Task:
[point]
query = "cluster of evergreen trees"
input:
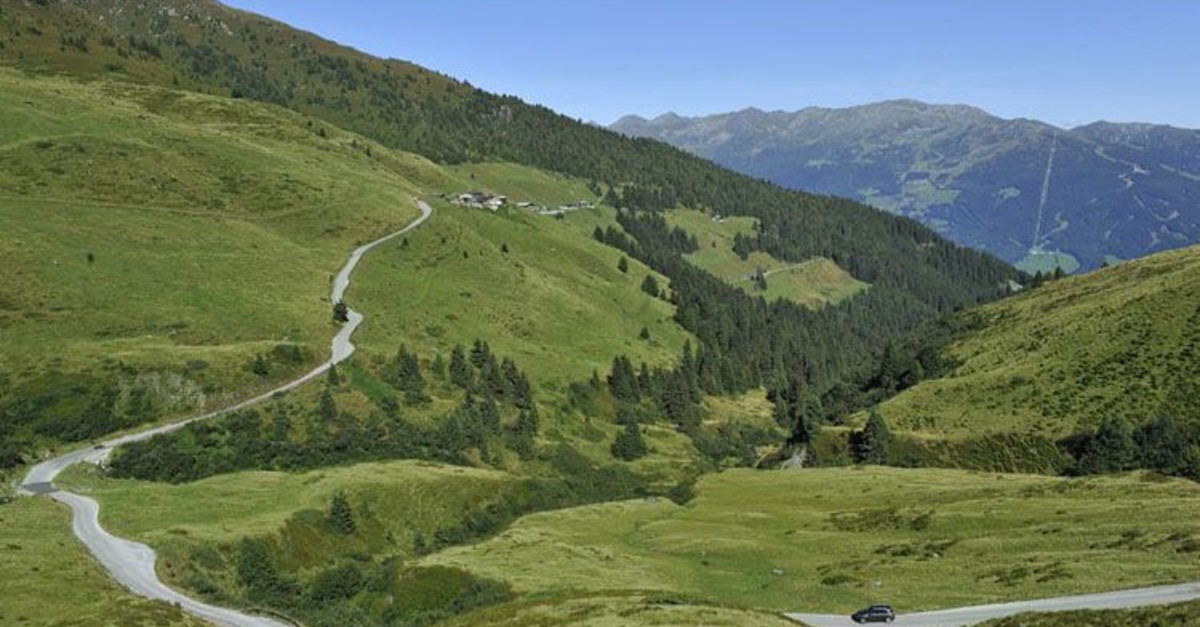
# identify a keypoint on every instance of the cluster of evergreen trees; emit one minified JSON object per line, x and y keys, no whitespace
{"x":413,"y":596}
{"x":1163,"y":444}
{"x":747,"y":342}
{"x":249,"y":439}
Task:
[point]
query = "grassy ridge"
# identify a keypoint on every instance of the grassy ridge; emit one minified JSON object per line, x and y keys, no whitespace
{"x":157,"y":242}
{"x":555,"y":302}
{"x":44,"y":566}
{"x":835,"y":539}
{"x":814,"y":282}
{"x":1123,"y":341}
{"x":395,"y":503}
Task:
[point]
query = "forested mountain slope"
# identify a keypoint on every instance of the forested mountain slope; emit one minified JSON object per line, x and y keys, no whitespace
{"x":203,"y":45}
{"x":1023,"y":190}
{"x":743,"y":342}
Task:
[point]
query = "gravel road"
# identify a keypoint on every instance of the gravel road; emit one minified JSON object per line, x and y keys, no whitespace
{"x":132,"y":563}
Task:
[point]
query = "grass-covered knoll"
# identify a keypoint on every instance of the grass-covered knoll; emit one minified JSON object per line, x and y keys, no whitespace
{"x":814,"y":282}
{"x":156,"y":242}
{"x":206,"y":532}
{"x":1179,"y":615}
{"x":49,"y":578}
{"x":534,"y":287}
{"x":615,"y":609}
{"x":835,"y":539}
{"x":403,"y":497}
{"x":1123,"y":341}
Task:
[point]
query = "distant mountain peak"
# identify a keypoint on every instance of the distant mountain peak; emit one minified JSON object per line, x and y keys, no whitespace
{"x":670,"y":117}
{"x":1027,"y":191}
{"x":630,"y":119}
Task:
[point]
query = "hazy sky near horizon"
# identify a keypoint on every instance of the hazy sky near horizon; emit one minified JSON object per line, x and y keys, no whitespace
{"x":1067,"y":62}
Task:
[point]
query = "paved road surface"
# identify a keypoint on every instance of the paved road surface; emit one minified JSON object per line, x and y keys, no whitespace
{"x":958,"y":617}
{"x":132,"y":563}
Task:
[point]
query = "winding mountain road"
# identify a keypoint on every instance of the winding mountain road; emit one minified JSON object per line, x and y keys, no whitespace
{"x":132,"y":563}
{"x":962,"y":616}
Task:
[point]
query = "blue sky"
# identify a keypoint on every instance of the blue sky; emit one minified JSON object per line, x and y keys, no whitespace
{"x":1066,"y":62}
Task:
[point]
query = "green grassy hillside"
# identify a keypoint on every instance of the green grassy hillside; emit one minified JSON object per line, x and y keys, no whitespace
{"x":398,"y":509}
{"x":835,"y":539}
{"x":555,"y":301}
{"x":204,"y":46}
{"x":45,"y":566}
{"x":523,"y":183}
{"x":814,"y":282}
{"x":189,"y":258}
{"x":1123,"y":341}
{"x":157,"y":242}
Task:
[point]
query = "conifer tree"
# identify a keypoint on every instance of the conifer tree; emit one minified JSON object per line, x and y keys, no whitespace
{"x":629,"y":444}
{"x":650,"y":285}
{"x":341,"y":516}
{"x":874,"y":442}
{"x":460,"y":370}
{"x":480,"y":352}
{"x":524,"y":433}
{"x":1110,"y":449}
{"x":326,"y":406}
{"x":622,"y":382}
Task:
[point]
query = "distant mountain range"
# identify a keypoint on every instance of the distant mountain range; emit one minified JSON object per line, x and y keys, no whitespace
{"x":1029,"y":192}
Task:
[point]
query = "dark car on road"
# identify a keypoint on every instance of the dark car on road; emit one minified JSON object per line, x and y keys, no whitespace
{"x":874,"y":614}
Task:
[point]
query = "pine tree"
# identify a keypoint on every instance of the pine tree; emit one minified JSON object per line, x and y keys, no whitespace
{"x":488,"y":415}
{"x":623,"y":381}
{"x":650,"y":285}
{"x":480,"y":352}
{"x":407,"y":377}
{"x":1163,"y":444}
{"x":1110,"y":449}
{"x":524,"y":433}
{"x":873,"y":443}
{"x":255,"y":568}
{"x":623,"y":264}
{"x":326,"y":406}
{"x":629,"y":444}
{"x":782,"y":412}
{"x":341,"y":516}
{"x":460,"y":370}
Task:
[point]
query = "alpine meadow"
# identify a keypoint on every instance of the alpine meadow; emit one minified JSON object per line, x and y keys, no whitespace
{"x":567,"y":376}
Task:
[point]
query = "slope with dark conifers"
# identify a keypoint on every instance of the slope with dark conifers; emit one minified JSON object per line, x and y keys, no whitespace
{"x":203,"y":45}
{"x":1021,"y":189}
